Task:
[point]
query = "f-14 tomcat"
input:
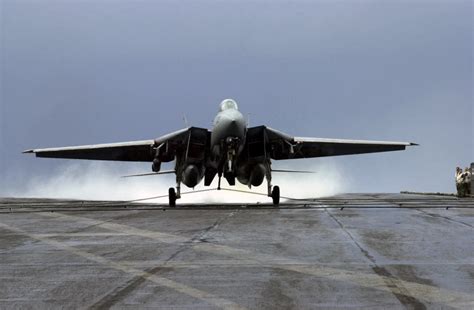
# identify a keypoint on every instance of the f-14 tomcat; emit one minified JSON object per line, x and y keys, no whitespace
{"x":229,"y":149}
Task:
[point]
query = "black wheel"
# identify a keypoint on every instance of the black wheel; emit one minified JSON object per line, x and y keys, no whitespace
{"x":172,"y":197}
{"x":276,"y":195}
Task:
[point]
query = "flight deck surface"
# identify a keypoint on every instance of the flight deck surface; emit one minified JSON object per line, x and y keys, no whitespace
{"x":350,"y":251}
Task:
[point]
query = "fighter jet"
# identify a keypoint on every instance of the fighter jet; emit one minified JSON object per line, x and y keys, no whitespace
{"x":230,"y":149}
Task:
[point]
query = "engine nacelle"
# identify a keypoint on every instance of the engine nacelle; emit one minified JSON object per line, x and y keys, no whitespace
{"x":251,"y":174}
{"x":192,"y":175}
{"x":257,"y":175}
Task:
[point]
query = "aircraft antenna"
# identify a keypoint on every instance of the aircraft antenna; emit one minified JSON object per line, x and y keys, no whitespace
{"x":185,"y":120}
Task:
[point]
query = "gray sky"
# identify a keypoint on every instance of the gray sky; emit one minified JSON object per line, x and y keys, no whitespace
{"x":83,"y":72}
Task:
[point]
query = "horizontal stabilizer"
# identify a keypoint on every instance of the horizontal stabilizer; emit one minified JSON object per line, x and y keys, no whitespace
{"x":148,"y":174}
{"x":292,"y":171}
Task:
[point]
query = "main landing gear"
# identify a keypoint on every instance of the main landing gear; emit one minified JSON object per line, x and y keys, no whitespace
{"x":172,"y":197}
{"x":174,"y":194}
{"x":273,"y":191}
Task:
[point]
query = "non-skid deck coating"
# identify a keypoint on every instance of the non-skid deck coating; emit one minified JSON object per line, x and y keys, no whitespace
{"x":350,"y":251}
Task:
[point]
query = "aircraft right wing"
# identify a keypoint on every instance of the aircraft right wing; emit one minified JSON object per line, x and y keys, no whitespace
{"x":283,"y":146}
{"x":140,"y":151}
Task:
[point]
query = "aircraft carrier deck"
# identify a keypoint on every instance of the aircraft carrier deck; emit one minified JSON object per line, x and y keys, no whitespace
{"x":363,"y":251}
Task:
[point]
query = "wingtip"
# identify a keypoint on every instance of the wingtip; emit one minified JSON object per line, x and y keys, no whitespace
{"x":28,"y":151}
{"x":414,"y":144}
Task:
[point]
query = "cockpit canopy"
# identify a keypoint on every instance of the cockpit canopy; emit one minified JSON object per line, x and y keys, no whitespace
{"x":228,"y":104}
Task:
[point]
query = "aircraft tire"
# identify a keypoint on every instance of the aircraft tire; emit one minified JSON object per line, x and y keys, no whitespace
{"x":276,"y":195}
{"x":172,"y":197}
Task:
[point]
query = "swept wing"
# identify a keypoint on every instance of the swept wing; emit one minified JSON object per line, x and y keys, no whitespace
{"x":283,"y":146}
{"x":140,"y":151}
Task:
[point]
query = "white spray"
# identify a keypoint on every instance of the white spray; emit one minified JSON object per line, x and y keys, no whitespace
{"x":102,"y":181}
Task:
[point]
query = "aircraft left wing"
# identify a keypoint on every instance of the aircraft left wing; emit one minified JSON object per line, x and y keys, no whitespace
{"x":283,"y":146}
{"x":141,"y":151}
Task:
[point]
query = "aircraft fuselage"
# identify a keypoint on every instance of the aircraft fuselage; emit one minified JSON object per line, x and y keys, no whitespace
{"x":229,"y":127}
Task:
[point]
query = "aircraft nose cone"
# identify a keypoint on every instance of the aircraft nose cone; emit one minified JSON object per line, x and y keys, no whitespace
{"x":233,"y":124}
{"x":229,"y":123}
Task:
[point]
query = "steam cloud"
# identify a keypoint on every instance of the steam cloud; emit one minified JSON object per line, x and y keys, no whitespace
{"x":102,"y":181}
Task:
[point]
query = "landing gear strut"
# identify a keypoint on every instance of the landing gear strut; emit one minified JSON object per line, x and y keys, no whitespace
{"x":175,"y":194}
{"x":274,"y":191}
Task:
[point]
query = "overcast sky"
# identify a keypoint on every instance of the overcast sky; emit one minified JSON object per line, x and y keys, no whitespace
{"x":83,"y":72}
